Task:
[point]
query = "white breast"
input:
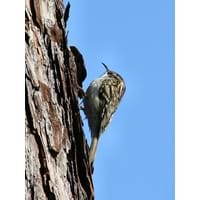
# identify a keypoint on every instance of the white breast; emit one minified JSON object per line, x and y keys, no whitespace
{"x":92,"y":93}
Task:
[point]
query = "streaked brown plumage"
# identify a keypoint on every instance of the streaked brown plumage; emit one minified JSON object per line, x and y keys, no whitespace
{"x":101,"y":101}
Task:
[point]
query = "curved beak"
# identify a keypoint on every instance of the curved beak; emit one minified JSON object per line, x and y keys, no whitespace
{"x":106,"y":67}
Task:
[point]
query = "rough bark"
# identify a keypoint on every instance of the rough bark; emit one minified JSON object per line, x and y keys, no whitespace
{"x":56,"y":149}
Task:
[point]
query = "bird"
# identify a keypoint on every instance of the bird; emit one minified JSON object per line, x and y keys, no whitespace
{"x":101,"y":100}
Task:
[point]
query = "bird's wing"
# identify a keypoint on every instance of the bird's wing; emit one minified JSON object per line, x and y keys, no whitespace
{"x":109,"y":102}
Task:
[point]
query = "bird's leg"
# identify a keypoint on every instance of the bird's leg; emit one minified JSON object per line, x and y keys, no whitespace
{"x":81,"y":92}
{"x":82,"y":95}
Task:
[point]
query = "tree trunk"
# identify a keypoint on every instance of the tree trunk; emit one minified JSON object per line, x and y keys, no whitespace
{"x":56,"y":149}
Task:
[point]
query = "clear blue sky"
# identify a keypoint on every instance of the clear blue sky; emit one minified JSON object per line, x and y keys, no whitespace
{"x":135,"y":157}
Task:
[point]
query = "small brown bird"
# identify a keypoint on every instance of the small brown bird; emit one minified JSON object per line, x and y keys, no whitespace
{"x":102,"y":99}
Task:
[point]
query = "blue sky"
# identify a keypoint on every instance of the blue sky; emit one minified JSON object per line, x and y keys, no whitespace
{"x":135,"y":156}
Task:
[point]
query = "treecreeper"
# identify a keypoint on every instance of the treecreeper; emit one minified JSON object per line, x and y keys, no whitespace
{"x":100,"y":103}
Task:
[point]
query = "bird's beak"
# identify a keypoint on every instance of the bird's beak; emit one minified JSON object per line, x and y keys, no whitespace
{"x":106,"y":67}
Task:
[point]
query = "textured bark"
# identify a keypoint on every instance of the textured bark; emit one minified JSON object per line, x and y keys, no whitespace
{"x":56,"y":149}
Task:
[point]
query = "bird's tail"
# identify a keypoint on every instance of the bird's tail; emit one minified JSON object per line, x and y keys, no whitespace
{"x":93,"y":148}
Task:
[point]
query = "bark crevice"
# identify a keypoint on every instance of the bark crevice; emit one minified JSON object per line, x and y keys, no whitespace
{"x":56,"y":148}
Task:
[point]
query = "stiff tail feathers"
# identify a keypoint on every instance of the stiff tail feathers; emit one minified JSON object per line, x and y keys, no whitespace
{"x":93,"y":149}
